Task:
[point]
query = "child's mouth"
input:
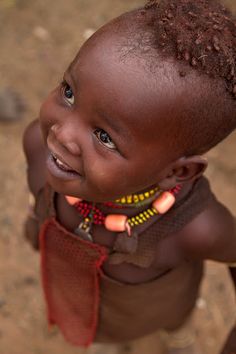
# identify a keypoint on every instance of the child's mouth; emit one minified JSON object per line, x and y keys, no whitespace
{"x":60,"y":169}
{"x":61,"y":164}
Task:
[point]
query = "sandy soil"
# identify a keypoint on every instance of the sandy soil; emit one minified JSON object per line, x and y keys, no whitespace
{"x":38,"y":40}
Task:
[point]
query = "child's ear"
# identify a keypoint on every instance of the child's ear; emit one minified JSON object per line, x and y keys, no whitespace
{"x":185,"y":169}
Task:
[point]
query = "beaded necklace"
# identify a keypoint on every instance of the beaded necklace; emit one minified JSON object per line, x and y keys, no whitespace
{"x":120,"y":222}
{"x":136,"y":200}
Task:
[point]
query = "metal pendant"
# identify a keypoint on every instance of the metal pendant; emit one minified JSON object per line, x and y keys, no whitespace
{"x":83,"y":230}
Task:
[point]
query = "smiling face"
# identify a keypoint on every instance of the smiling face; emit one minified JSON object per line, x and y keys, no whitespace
{"x":109,"y":126}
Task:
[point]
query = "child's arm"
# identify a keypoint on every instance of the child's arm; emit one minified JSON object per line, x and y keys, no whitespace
{"x":34,"y":150}
{"x":35,"y":156}
{"x":212,"y":235}
{"x":230,"y":343}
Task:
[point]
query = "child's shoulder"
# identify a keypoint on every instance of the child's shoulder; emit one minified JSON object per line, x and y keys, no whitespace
{"x":211,"y":234}
{"x":32,"y":140}
{"x":34,"y":150}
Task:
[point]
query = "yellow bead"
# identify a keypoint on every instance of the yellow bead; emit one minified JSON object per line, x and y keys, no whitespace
{"x":129,"y":199}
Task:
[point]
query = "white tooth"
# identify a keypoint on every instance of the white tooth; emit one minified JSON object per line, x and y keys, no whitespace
{"x":60,"y":162}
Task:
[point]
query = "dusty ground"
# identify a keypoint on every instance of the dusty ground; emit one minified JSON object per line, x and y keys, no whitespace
{"x":37,"y":40}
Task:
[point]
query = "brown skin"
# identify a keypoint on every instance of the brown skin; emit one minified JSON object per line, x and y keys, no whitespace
{"x":146,"y":111}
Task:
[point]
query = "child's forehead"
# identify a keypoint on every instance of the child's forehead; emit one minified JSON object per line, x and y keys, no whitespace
{"x":133,"y":88}
{"x":101,"y":60}
{"x":107,"y":54}
{"x":131,"y":49}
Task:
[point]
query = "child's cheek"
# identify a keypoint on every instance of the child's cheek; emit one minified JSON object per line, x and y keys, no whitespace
{"x":107,"y":177}
{"x":48,"y":113}
{"x":44,"y":118}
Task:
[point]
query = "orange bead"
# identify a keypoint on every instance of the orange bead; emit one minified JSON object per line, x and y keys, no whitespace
{"x":72,"y":200}
{"x":164,"y":202}
{"x":116,"y":223}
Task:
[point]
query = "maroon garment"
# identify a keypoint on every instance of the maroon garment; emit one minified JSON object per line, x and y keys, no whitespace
{"x":70,"y":275}
{"x":89,"y":306}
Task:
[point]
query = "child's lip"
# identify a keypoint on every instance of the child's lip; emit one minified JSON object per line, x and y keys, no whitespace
{"x":58,"y":166}
{"x":59,"y":169}
{"x":56,"y":155}
{"x":61,"y":163}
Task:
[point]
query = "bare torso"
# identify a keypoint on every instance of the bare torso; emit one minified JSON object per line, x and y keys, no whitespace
{"x":193,"y":241}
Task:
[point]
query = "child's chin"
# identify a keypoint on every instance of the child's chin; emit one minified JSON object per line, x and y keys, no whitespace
{"x":63,"y":186}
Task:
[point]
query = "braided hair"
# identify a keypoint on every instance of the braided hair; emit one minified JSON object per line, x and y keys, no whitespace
{"x":199,"y":32}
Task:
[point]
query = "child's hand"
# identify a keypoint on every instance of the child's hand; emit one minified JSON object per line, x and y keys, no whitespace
{"x":31,"y":231}
{"x":230,"y":344}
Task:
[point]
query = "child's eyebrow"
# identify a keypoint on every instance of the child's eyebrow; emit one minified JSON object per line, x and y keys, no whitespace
{"x":113,"y":123}
{"x":69,"y":71}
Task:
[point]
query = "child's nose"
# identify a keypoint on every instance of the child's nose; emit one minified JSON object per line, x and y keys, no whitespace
{"x":66,"y":139}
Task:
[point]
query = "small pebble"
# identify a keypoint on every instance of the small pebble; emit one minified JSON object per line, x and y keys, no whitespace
{"x":29,"y":280}
{"x":2,"y":302}
{"x":201,"y":303}
{"x":41,"y":33}
{"x":8,"y":3}
{"x":12,"y":106}
{"x":88,"y":33}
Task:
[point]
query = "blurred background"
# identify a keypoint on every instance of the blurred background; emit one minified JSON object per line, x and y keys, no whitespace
{"x":38,"y":39}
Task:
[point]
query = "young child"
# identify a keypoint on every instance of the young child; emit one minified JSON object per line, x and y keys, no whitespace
{"x":115,"y":163}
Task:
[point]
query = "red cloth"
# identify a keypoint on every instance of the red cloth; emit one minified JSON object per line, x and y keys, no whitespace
{"x":71,"y":276}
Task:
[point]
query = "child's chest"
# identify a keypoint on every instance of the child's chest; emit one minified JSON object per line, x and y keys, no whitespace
{"x":168,"y":254}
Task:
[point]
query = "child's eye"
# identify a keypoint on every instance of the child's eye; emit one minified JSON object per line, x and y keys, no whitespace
{"x":67,"y":93}
{"x":104,"y":139}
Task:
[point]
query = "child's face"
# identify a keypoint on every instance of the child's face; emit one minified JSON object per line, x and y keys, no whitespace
{"x":111,"y":123}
